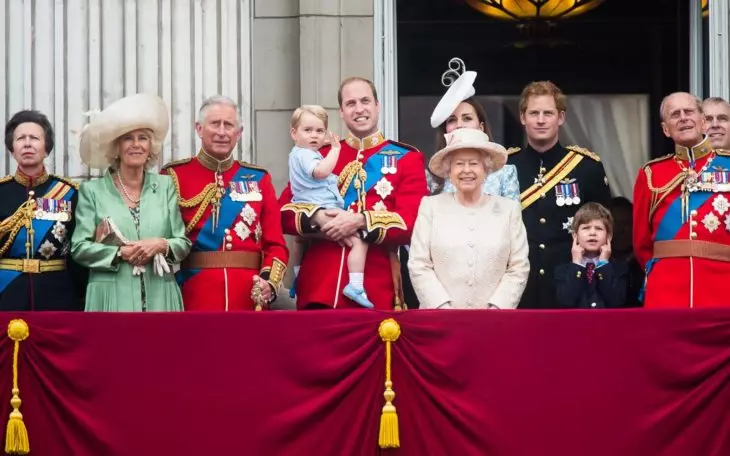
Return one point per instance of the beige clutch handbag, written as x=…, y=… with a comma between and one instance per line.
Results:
x=107, y=233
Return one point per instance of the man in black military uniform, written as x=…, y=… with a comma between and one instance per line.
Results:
x=554, y=182
x=36, y=223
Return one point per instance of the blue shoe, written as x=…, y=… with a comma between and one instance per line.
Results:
x=358, y=296
x=293, y=289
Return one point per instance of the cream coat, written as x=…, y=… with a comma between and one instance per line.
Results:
x=469, y=257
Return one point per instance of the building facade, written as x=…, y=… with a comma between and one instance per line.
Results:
x=68, y=58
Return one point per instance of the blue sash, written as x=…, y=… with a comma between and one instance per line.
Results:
x=209, y=239
x=17, y=248
x=671, y=223
x=372, y=167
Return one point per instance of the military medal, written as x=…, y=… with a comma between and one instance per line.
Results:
x=568, y=192
x=389, y=165
x=576, y=193
x=65, y=215
x=559, y=195
x=245, y=191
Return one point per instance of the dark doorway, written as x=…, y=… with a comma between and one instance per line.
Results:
x=620, y=47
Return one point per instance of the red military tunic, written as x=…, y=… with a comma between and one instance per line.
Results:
x=676, y=200
x=228, y=206
x=385, y=181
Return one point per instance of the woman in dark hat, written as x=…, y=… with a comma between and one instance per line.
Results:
x=37, y=220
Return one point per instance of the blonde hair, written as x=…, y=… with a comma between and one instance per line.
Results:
x=315, y=110
x=112, y=153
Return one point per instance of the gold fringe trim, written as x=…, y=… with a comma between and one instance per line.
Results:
x=16, y=436
x=389, y=331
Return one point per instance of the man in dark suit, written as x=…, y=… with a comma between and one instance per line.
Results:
x=554, y=181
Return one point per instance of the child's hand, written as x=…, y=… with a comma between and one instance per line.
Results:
x=333, y=140
x=577, y=251
x=605, y=250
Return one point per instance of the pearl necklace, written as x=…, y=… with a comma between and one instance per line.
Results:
x=124, y=190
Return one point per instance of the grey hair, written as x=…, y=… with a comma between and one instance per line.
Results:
x=715, y=100
x=219, y=100
x=487, y=162
x=664, y=101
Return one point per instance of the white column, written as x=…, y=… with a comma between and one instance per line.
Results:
x=719, y=44
x=385, y=65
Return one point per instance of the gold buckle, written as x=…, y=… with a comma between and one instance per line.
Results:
x=32, y=266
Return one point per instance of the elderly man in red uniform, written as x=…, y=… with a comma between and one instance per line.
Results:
x=232, y=217
x=682, y=214
x=382, y=183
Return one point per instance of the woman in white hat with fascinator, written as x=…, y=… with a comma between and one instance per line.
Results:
x=459, y=109
x=129, y=231
x=469, y=249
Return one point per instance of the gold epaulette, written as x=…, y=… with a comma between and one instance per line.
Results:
x=66, y=180
x=6, y=179
x=513, y=150
x=585, y=152
x=182, y=161
x=657, y=160
x=723, y=152
x=246, y=164
x=405, y=145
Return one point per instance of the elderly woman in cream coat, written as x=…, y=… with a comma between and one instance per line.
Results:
x=129, y=231
x=469, y=250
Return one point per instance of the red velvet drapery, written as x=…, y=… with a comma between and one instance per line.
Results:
x=573, y=383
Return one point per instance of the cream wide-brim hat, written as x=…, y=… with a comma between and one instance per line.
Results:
x=135, y=112
x=459, y=91
x=469, y=138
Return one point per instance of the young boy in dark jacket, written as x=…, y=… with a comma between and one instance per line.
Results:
x=592, y=280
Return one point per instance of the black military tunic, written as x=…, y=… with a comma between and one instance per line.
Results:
x=36, y=272
x=553, y=185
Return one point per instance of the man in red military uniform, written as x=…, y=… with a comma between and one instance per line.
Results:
x=232, y=217
x=682, y=214
x=382, y=183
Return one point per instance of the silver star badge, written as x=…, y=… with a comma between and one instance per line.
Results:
x=242, y=230
x=568, y=225
x=248, y=214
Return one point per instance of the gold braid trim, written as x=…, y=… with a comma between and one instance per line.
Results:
x=276, y=274
x=658, y=194
x=347, y=174
x=203, y=199
x=14, y=223
x=584, y=151
x=300, y=208
x=384, y=220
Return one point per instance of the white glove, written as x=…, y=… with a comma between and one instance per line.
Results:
x=160, y=265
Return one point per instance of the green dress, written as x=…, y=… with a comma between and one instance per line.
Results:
x=112, y=286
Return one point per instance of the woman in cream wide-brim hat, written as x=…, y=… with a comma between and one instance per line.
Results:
x=469, y=249
x=137, y=211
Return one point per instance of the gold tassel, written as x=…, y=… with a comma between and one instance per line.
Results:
x=16, y=437
x=389, y=331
